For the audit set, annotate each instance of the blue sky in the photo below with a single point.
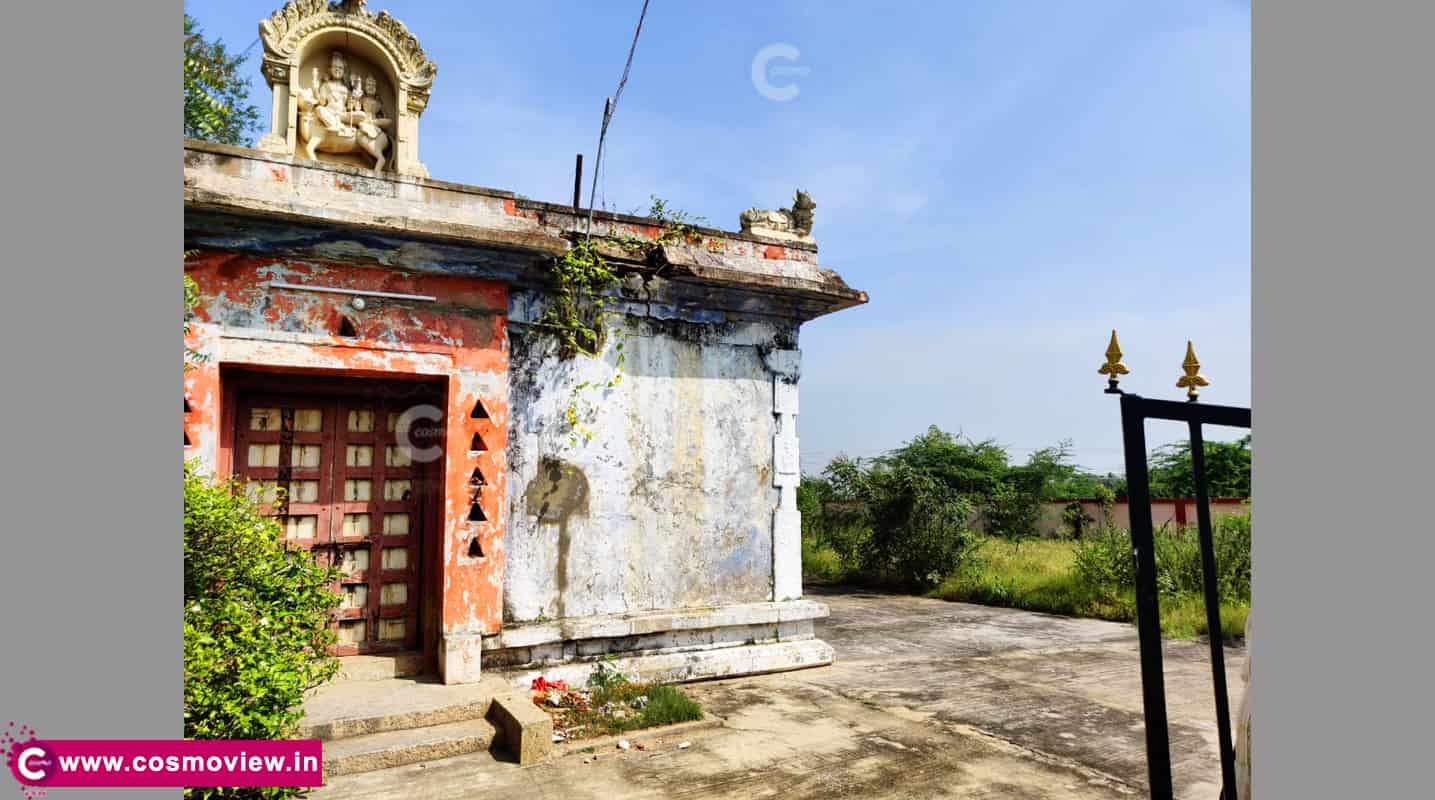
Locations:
(1007, 180)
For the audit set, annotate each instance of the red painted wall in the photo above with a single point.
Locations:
(461, 338)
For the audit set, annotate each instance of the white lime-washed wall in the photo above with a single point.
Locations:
(665, 493)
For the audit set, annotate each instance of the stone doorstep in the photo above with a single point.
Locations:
(380, 667)
(618, 626)
(377, 724)
(343, 709)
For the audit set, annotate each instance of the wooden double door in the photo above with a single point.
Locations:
(354, 478)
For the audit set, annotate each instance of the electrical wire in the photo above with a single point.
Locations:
(608, 108)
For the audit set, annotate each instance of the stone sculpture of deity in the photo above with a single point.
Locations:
(335, 118)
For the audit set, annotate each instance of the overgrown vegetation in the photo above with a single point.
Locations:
(1095, 577)
(583, 286)
(953, 517)
(910, 517)
(582, 281)
(1104, 562)
(216, 94)
(256, 617)
(612, 704)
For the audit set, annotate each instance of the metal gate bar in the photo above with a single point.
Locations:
(1135, 410)
(1213, 613)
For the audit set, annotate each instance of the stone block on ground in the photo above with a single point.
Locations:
(526, 730)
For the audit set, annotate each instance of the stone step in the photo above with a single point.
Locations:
(346, 709)
(397, 748)
(380, 667)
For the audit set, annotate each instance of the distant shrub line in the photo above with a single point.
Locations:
(952, 517)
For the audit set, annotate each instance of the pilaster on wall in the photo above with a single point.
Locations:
(786, 473)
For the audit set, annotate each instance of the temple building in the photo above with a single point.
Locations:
(384, 365)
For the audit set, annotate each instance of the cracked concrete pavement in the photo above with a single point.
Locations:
(927, 699)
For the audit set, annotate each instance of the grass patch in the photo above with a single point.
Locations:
(614, 706)
(821, 563)
(1034, 575)
(1042, 575)
(1184, 617)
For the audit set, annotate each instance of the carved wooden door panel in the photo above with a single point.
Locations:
(343, 485)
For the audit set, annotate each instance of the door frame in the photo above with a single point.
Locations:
(235, 380)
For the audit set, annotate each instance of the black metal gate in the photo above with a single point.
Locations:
(1135, 410)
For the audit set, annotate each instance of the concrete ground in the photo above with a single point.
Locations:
(926, 699)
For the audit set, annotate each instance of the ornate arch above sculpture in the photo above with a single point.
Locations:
(348, 85)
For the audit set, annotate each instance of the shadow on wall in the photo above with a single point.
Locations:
(557, 493)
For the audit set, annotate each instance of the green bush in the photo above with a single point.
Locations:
(1012, 512)
(919, 527)
(1178, 558)
(1074, 519)
(835, 528)
(1106, 566)
(821, 562)
(906, 517)
(256, 616)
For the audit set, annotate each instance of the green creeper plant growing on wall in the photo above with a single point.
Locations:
(581, 280)
(582, 289)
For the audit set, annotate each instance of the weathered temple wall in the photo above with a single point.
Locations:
(644, 511)
(459, 339)
(670, 503)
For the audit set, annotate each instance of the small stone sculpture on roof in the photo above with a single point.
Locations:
(792, 224)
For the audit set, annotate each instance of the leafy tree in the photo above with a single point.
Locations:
(1013, 510)
(1049, 470)
(972, 469)
(1228, 469)
(215, 94)
(1088, 485)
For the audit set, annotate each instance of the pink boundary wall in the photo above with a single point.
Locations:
(1173, 511)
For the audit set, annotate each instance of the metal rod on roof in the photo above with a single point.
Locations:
(578, 185)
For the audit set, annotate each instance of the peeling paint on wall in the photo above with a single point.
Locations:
(462, 338)
(677, 481)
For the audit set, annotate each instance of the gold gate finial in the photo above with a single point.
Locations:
(1193, 377)
(1113, 368)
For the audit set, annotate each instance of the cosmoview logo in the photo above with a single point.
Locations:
(776, 61)
(405, 433)
(31, 761)
(35, 763)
